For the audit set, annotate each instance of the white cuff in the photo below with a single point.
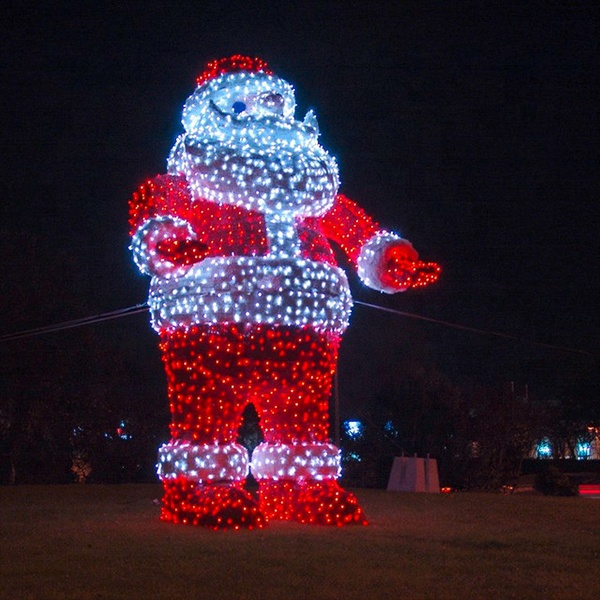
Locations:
(202, 463)
(296, 461)
(142, 253)
(369, 263)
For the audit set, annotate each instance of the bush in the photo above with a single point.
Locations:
(553, 482)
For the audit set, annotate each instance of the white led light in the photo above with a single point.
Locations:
(253, 290)
(242, 146)
(203, 463)
(236, 234)
(261, 158)
(151, 232)
(296, 461)
(369, 263)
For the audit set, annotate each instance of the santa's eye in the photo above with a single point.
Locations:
(238, 107)
(272, 101)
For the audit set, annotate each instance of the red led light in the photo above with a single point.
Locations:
(211, 505)
(314, 502)
(349, 226)
(214, 371)
(250, 304)
(589, 489)
(221, 229)
(232, 64)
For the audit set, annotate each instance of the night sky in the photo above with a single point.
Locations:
(471, 129)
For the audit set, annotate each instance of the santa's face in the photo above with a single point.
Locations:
(243, 146)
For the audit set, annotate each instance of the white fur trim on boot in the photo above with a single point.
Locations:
(203, 463)
(296, 461)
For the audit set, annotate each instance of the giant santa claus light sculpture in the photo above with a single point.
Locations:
(249, 302)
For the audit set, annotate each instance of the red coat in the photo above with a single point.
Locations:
(228, 230)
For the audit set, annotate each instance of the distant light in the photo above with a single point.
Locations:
(121, 432)
(584, 450)
(544, 449)
(390, 428)
(354, 429)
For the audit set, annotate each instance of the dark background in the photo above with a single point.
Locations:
(471, 128)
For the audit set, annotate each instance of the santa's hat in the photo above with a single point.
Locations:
(239, 73)
(232, 64)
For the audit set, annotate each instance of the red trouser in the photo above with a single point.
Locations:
(214, 371)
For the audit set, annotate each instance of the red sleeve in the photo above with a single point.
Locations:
(164, 195)
(349, 226)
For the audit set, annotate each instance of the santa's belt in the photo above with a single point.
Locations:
(242, 289)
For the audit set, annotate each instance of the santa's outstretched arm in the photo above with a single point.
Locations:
(384, 261)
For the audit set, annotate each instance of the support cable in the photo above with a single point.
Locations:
(142, 307)
(507, 336)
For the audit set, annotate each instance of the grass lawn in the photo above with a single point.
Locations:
(83, 542)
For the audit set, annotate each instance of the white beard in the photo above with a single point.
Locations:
(266, 165)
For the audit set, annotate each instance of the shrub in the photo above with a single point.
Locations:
(553, 482)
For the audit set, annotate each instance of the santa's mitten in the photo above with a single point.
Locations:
(390, 264)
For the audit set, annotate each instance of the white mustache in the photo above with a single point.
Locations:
(308, 127)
